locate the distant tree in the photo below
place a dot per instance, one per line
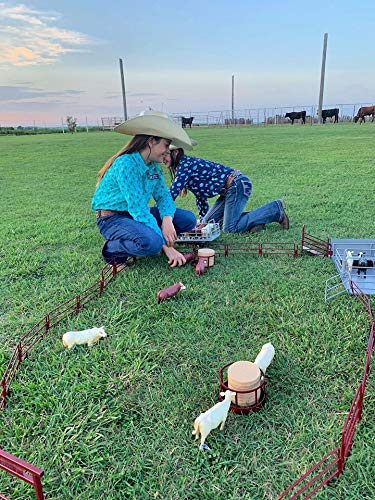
(72, 124)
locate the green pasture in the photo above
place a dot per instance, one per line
(115, 421)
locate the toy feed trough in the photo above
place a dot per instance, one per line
(200, 234)
(249, 383)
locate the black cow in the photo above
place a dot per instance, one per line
(296, 115)
(186, 121)
(330, 113)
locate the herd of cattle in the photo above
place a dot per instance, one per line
(326, 113)
(334, 113)
(301, 115)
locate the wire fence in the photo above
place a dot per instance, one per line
(227, 118)
(267, 115)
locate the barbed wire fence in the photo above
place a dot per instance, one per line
(227, 118)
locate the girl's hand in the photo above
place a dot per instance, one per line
(168, 230)
(175, 258)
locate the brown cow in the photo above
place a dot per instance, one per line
(365, 111)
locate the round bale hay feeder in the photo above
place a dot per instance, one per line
(249, 383)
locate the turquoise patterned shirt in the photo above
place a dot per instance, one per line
(129, 184)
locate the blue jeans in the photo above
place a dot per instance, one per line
(228, 209)
(126, 237)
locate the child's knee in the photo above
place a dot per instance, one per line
(191, 220)
(229, 228)
(184, 221)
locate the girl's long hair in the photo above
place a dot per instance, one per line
(137, 143)
(176, 156)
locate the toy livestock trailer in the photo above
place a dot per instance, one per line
(355, 262)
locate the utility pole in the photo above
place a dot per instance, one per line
(232, 99)
(322, 74)
(123, 90)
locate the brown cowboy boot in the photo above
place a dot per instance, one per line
(257, 228)
(284, 223)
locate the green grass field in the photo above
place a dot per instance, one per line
(115, 421)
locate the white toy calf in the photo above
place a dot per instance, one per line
(210, 419)
(265, 356)
(89, 337)
(349, 260)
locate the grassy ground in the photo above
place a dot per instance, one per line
(115, 421)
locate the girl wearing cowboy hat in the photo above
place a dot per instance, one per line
(125, 185)
(206, 179)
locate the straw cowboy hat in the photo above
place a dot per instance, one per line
(173, 146)
(156, 124)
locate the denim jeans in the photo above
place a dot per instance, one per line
(126, 237)
(228, 209)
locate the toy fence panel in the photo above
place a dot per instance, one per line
(22, 470)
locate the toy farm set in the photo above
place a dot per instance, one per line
(242, 383)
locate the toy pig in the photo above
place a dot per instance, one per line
(89, 337)
(189, 257)
(171, 291)
(200, 267)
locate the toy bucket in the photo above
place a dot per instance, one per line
(208, 256)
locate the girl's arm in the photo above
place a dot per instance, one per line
(202, 205)
(179, 182)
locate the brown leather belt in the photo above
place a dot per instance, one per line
(229, 181)
(103, 213)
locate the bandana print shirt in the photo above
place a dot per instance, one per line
(203, 178)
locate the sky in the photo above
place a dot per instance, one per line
(62, 58)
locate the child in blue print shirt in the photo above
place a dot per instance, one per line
(206, 179)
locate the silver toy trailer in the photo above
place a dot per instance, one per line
(355, 261)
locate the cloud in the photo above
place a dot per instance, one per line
(10, 94)
(28, 37)
(143, 94)
(112, 95)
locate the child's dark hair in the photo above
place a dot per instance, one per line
(176, 156)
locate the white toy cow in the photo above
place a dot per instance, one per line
(210, 419)
(349, 260)
(265, 356)
(89, 337)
